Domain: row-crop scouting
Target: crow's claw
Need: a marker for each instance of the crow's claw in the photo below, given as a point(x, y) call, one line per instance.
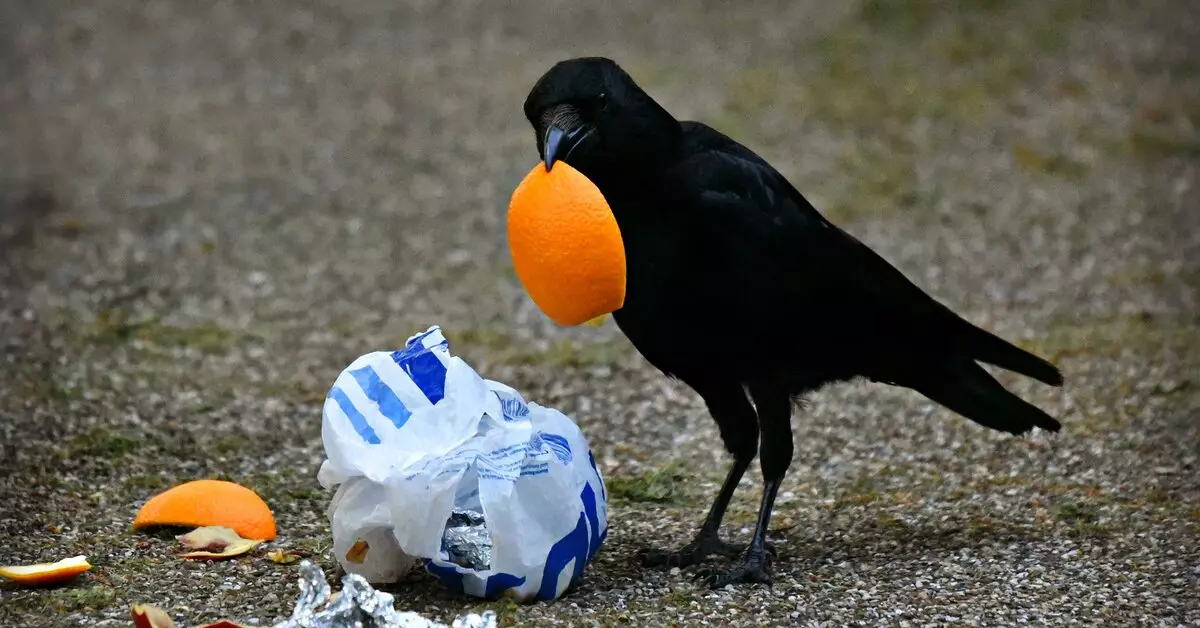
point(753, 569)
point(747, 573)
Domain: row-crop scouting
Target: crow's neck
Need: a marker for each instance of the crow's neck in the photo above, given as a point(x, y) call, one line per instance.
point(644, 155)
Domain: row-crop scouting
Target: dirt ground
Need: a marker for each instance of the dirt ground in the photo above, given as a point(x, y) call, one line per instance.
point(208, 209)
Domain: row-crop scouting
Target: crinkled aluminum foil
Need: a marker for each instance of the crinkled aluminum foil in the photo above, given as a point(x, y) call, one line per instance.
point(466, 540)
point(359, 605)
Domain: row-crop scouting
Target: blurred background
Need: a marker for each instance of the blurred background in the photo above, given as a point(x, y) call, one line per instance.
point(208, 209)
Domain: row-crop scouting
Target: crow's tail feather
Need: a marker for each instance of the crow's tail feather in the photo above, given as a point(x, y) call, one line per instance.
point(970, 391)
point(987, 347)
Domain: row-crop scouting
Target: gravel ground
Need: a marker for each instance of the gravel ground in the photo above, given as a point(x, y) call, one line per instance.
point(209, 209)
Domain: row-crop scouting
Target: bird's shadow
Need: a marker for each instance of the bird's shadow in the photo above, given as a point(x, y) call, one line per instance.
point(805, 549)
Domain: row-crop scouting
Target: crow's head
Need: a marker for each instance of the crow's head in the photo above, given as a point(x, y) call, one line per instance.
point(589, 113)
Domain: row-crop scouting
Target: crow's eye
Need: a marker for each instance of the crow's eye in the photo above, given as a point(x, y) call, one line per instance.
point(602, 99)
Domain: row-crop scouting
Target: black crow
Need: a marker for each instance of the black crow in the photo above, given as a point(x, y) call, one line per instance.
point(738, 287)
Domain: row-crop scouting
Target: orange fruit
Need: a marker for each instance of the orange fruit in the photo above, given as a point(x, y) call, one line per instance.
point(47, 573)
point(566, 246)
point(210, 503)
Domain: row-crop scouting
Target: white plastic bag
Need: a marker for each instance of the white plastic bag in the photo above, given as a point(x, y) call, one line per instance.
point(412, 435)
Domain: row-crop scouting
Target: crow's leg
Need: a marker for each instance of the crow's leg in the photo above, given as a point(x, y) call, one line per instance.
point(774, 417)
point(739, 430)
point(706, 542)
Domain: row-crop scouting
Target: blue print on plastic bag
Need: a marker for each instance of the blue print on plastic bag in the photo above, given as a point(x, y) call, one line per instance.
point(497, 583)
point(356, 418)
point(580, 545)
point(389, 404)
point(555, 443)
point(425, 369)
point(510, 462)
point(512, 408)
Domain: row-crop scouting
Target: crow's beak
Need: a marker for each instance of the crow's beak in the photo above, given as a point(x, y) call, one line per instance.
point(563, 135)
point(560, 142)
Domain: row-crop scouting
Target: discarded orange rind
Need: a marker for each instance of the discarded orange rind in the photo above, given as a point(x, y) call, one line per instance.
point(566, 245)
point(215, 542)
point(46, 573)
point(150, 616)
point(283, 557)
point(210, 503)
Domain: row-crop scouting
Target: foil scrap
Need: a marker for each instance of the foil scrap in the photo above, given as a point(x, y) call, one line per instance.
point(466, 540)
point(359, 605)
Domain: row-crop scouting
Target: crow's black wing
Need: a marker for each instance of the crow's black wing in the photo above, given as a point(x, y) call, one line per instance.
point(794, 259)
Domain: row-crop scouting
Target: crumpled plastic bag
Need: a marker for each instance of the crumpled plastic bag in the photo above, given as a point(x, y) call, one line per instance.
point(436, 466)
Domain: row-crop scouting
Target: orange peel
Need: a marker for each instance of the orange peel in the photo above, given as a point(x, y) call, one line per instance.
point(215, 542)
point(283, 557)
point(210, 503)
point(358, 552)
point(566, 245)
point(150, 616)
point(46, 573)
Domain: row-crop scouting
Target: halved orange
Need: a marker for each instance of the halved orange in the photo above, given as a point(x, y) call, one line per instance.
point(210, 503)
point(47, 573)
point(566, 245)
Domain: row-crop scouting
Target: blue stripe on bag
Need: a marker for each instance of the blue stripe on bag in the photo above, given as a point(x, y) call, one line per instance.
point(571, 549)
point(498, 583)
point(593, 519)
point(453, 577)
point(389, 404)
point(425, 369)
point(356, 418)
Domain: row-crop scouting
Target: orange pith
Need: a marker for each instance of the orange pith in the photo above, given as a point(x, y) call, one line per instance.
point(46, 573)
point(566, 245)
point(210, 503)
